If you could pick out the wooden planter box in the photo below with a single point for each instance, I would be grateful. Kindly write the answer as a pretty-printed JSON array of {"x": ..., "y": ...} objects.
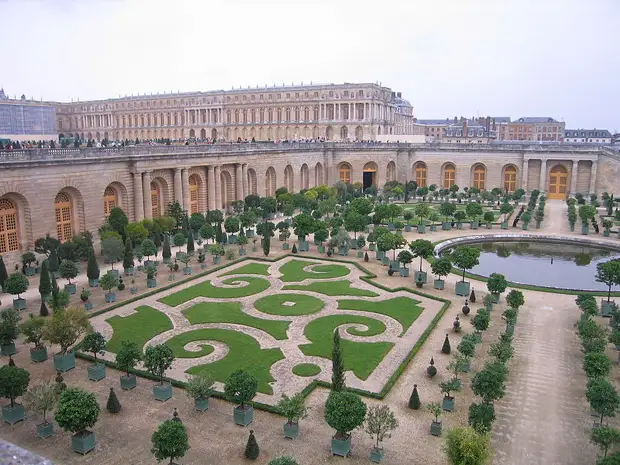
[
  {"x": 38, "y": 355},
  {"x": 341, "y": 446},
  {"x": 8, "y": 349},
  {"x": 243, "y": 416},
  {"x": 64, "y": 362},
  {"x": 45, "y": 430},
  {"x": 19, "y": 304},
  {"x": 12, "y": 415},
  {"x": 93, "y": 282},
  {"x": 71, "y": 288},
  {"x": 162, "y": 392},
  {"x": 96, "y": 372},
  {"x": 291, "y": 430},
  {"x": 436, "y": 428},
  {"x": 462, "y": 288},
  {"x": 376, "y": 455},
  {"x": 110, "y": 297},
  {"x": 201, "y": 404},
  {"x": 151, "y": 283},
  {"x": 128, "y": 382},
  {"x": 439, "y": 284},
  {"x": 83, "y": 442}
]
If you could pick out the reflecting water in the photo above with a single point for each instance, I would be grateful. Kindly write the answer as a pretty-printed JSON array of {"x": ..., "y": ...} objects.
[{"x": 562, "y": 265}]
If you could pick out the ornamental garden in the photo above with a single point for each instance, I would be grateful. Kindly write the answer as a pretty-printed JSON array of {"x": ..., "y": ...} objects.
[{"x": 279, "y": 298}]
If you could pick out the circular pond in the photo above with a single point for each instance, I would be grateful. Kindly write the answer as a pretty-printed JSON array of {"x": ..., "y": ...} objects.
[{"x": 564, "y": 265}]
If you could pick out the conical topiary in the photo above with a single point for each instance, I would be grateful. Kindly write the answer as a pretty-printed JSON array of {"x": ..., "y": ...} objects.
[
  {"x": 445, "y": 349},
  {"x": 431, "y": 370},
  {"x": 365, "y": 256},
  {"x": 294, "y": 249},
  {"x": 43, "y": 311},
  {"x": 113, "y": 405},
  {"x": 472, "y": 296},
  {"x": 251, "y": 449},
  {"x": 414, "y": 400}
]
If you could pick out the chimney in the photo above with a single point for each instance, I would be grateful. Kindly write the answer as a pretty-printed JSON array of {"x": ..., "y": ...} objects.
[{"x": 399, "y": 95}]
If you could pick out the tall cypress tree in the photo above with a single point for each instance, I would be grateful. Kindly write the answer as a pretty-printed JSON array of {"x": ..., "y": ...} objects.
[
  {"x": 218, "y": 233},
  {"x": 337, "y": 364},
  {"x": 3, "y": 274},
  {"x": 92, "y": 268},
  {"x": 190, "y": 241},
  {"x": 54, "y": 264},
  {"x": 166, "y": 253},
  {"x": 45, "y": 282},
  {"x": 128, "y": 256},
  {"x": 266, "y": 245},
  {"x": 414, "y": 400}
]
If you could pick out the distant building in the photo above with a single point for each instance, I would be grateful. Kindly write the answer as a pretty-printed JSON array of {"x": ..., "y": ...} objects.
[
  {"x": 535, "y": 128},
  {"x": 27, "y": 120},
  {"x": 588, "y": 136}
]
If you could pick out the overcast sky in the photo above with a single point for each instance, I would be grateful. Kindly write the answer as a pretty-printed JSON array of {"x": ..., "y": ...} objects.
[{"x": 449, "y": 58}]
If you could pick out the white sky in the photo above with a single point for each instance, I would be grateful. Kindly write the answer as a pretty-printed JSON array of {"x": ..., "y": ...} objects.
[{"x": 449, "y": 58}]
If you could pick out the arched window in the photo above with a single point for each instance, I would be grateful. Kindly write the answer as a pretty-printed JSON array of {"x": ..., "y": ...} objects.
[
  {"x": 288, "y": 114},
  {"x": 510, "y": 179},
  {"x": 64, "y": 217},
  {"x": 344, "y": 132},
  {"x": 9, "y": 239},
  {"x": 155, "y": 200},
  {"x": 420, "y": 174},
  {"x": 449, "y": 176},
  {"x": 480, "y": 174},
  {"x": 391, "y": 171},
  {"x": 110, "y": 200},
  {"x": 193, "y": 194},
  {"x": 345, "y": 172}
]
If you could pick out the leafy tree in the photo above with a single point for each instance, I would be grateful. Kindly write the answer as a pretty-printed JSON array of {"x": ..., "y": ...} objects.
[
  {"x": 157, "y": 359},
  {"x": 3, "y": 273},
  {"x": 361, "y": 205},
  {"x": 354, "y": 222},
  {"x": 465, "y": 258},
  {"x": 128, "y": 356},
  {"x": 283, "y": 461},
  {"x": 77, "y": 410},
  {"x": 148, "y": 248},
  {"x": 128, "y": 255},
  {"x": 9, "y": 326},
  {"x": 481, "y": 417},
  {"x": 473, "y": 210},
  {"x": 467, "y": 347},
  {"x": 136, "y": 233},
  {"x": 190, "y": 241},
  {"x": 16, "y": 284},
  {"x": 609, "y": 274},
  {"x": 92, "y": 268},
  {"x": 118, "y": 220},
  {"x": 414, "y": 400},
  {"x": 13, "y": 382},
  {"x": 422, "y": 211},
  {"x": 596, "y": 365},
  {"x": 65, "y": 327},
  {"x": 240, "y": 387},
  {"x": 380, "y": 422},
  {"x": 32, "y": 329},
  {"x": 464, "y": 446},
  {"x": 501, "y": 350},
  {"x": 45, "y": 281},
  {"x": 447, "y": 210},
  {"x": 94, "y": 343},
  {"x": 196, "y": 221},
  {"x": 207, "y": 232},
  {"x": 303, "y": 225},
  {"x": 169, "y": 441},
  {"x": 390, "y": 241},
  {"x": 344, "y": 411},
  {"x": 252, "y": 450},
  {"x": 231, "y": 224},
  {"x": 489, "y": 383},
  {"x": 179, "y": 240},
  {"x": 41, "y": 398},
  {"x": 45, "y": 245},
  {"x": 605, "y": 437},
  {"x": 68, "y": 270},
  {"x": 108, "y": 282},
  {"x": 441, "y": 267},
  {"x": 175, "y": 210},
  {"x": 481, "y": 320},
  {"x": 293, "y": 408},
  {"x": 113, "y": 405},
  {"x": 515, "y": 299},
  {"x": 496, "y": 284},
  {"x": 423, "y": 249},
  {"x": 338, "y": 375},
  {"x": 488, "y": 217},
  {"x": 405, "y": 257}
]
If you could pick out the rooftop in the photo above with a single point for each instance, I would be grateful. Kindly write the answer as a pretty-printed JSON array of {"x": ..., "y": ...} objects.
[
  {"x": 536, "y": 119},
  {"x": 587, "y": 133}
]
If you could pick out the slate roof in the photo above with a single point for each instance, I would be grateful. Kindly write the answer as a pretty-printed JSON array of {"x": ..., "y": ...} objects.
[
  {"x": 588, "y": 133},
  {"x": 536, "y": 119}
]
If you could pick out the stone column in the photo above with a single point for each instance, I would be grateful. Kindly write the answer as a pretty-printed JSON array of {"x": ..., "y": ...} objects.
[
  {"x": 146, "y": 192},
  {"x": 185, "y": 184},
  {"x": 524, "y": 173},
  {"x": 239, "y": 181},
  {"x": 543, "y": 175},
  {"x": 210, "y": 188},
  {"x": 573, "y": 177},
  {"x": 138, "y": 197},
  {"x": 246, "y": 187},
  {"x": 593, "y": 172},
  {"x": 178, "y": 189},
  {"x": 218, "y": 189}
]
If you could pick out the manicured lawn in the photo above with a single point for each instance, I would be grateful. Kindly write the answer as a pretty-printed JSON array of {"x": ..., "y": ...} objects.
[
  {"x": 206, "y": 289},
  {"x": 250, "y": 268},
  {"x": 306, "y": 369},
  {"x": 360, "y": 357},
  {"x": 332, "y": 288},
  {"x": 244, "y": 353},
  {"x": 293, "y": 271},
  {"x": 274, "y": 304},
  {"x": 230, "y": 312},
  {"x": 402, "y": 309},
  {"x": 139, "y": 327}
]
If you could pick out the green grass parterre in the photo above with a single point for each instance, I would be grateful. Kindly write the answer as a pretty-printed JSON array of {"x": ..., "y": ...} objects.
[
  {"x": 293, "y": 271},
  {"x": 206, "y": 289}
]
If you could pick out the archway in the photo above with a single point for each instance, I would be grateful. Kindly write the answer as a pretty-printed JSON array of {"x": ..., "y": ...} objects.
[
  {"x": 329, "y": 133},
  {"x": 391, "y": 172},
  {"x": 194, "y": 189},
  {"x": 289, "y": 181},
  {"x": 156, "y": 200},
  {"x": 558, "y": 182},
  {"x": 449, "y": 175},
  {"x": 305, "y": 177},
  {"x": 110, "y": 200},
  {"x": 359, "y": 133},
  {"x": 318, "y": 174},
  {"x": 270, "y": 182},
  {"x": 227, "y": 189},
  {"x": 64, "y": 216},
  {"x": 203, "y": 133},
  {"x": 479, "y": 176},
  {"x": 214, "y": 133},
  {"x": 9, "y": 224},
  {"x": 369, "y": 175},
  {"x": 192, "y": 133},
  {"x": 252, "y": 188},
  {"x": 344, "y": 172},
  {"x": 510, "y": 178},
  {"x": 420, "y": 173}
]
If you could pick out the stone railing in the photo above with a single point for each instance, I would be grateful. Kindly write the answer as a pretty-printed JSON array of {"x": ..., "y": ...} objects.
[{"x": 12, "y": 454}]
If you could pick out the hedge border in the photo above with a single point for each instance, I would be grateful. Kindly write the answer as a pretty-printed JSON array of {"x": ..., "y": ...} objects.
[{"x": 387, "y": 387}]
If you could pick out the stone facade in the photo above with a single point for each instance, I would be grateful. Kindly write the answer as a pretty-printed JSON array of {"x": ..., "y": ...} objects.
[{"x": 142, "y": 180}]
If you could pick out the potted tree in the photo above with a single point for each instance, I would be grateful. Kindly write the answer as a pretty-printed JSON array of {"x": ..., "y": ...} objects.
[
  {"x": 231, "y": 225},
  {"x": 240, "y": 388},
  {"x": 464, "y": 258},
  {"x": 371, "y": 241},
  {"x": 294, "y": 409},
  {"x": 9, "y": 330},
  {"x": 380, "y": 422},
  {"x": 505, "y": 210},
  {"x": 496, "y": 284},
  {"x": 242, "y": 241},
  {"x": 64, "y": 328},
  {"x": 148, "y": 248},
  {"x": 436, "y": 411},
  {"x": 489, "y": 300},
  {"x": 95, "y": 344},
  {"x": 32, "y": 328},
  {"x": 605, "y": 437},
  {"x": 607, "y": 225},
  {"x": 473, "y": 211},
  {"x": 405, "y": 257},
  {"x": 68, "y": 270},
  {"x": 170, "y": 441},
  {"x": 515, "y": 299},
  {"x": 128, "y": 258},
  {"x": 321, "y": 235},
  {"x": 77, "y": 411},
  {"x": 151, "y": 273},
  {"x": 218, "y": 252},
  {"x": 586, "y": 213},
  {"x": 27, "y": 259},
  {"x": 465, "y": 446},
  {"x": 488, "y": 218},
  {"x": 157, "y": 359},
  {"x": 408, "y": 216},
  {"x": 433, "y": 218},
  {"x": 609, "y": 274},
  {"x": 127, "y": 358},
  {"x": 447, "y": 388},
  {"x": 15, "y": 285},
  {"x": 42, "y": 399},
  {"x": 13, "y": 383},
  {"x": 107, "y": 283},
  {"x": 460, "y": 216},
  {"x": 422, "y": 211},
  {"x": 344, "y": 411},
  {"x": 447, "y": 210},
  {"x": 200, "y": 387},
  {"x": 489, "y": 383},
  {"x": 112, "y": 249},
  {"x": 467, "y": 347},
  {"x": 361, "y": 243},
  {"x": 185, "y": 259},
  {"x": 423, "y": 249},
  {"x": 525, "y": 219},
  {"x": 179, "y": 240},
  {"x": 440, "y": 268}
]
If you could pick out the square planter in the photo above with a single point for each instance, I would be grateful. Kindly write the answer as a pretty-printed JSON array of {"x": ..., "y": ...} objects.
[
  {"x": 462, "y": 288},
  {"x": 607, "y": 307},
  {"x": 12, "y": 415},
  {"x": 606, "y": 233},
  {"x": 459, "y": 225},
  {"x": 187, "y": 270},
  {"x": 249, "y": 233},
  {"x": 30, "y": 271},
  {"x": 407, "y": 228},
  {"x": 419, "y": 277},
  {"x": 404, "y": 272},
  {"x": 216, "y": 259},
  {"x": 371, "y": 247},
  {"x": 439, "y": 284},
  {"x": 304, "y": 246},
  {"x": 114, "y": 273},
  {"x": 360, "y": 254},
  {"x": 83, "y": 442},
  {"x": 232, "y": 239},
  {"x": 45, "y": 430},
  {"x": 525, "y": 226},
  {"x": 151, "y": 283},
  {"x": 379, "y": 254},
  {"x": 8, "y": 349},
  {"x": 19, "y": 304},
  {"x": 93, "y": 282},
  {"x": 433, "y": 227},
  {"x": 243, "y": 415},
  {"x": 291, "y": 430},
  {"x": 241, "y": 252},
  {"x": 421, "y": 228},
  {"x": 475, "y": 225},
  {"x": 341, "y": 446},
  {"x": 285, "y": 246},
  {"x": 436, "y": 428},
  {"x": 162, "y": 392},
  {"x": 128, "y": 382},
  {"x": 38, "y": 355},
  {"x": 71, "y": 288},
  {"x": 395, "y": 264},
  {"x": 353, "y": 244},
  {"x": 510, "y": 329},
  {"x": 96, "y": 372},
  {"x": 133, "y": 290},
  {"x": 129, "y": 271},
  {"x": 64, "y": 362},
  {"x": 385, "y": 260},
  {"x": 448, "y": 404},
  {"x": 376, "y": 455},
  {"x": 321, "y": 248},
  {"x": 344, "y": 251},
  {"x": 201, "y": 404},
  {"x": 446, "y": 226},
  {"x": 110, "y": 297}
]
